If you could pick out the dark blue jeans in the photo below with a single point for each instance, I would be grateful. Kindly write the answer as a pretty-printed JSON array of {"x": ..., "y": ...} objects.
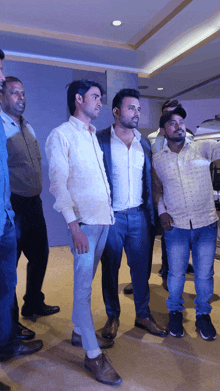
[
  {"x": 133, "y": 232},
  {"x": 31, "y": 236},
  {"x": 8, "y": 280},
  {"x": 165, "y": 266},
  {"x": 202, "y": 242}
]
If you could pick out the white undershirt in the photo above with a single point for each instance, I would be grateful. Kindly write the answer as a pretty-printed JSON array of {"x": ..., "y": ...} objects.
[{"x": 127, "y": 172}]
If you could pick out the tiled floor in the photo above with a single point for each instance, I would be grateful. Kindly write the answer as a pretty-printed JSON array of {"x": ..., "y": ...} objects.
[{"x": 145, "y": 362}]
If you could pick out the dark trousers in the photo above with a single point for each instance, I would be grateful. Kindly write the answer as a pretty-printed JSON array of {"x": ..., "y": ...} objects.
[
  {"x": 133, "y": 232},
  {"x": 8, "y": 280},
  {"x": 31, "y": 236}
]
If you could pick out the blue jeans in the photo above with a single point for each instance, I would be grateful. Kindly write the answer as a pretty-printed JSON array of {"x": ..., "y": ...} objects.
[
  {"x": 8, "y": 280},
  {"x": 202, "y": 243},
  {"x": 133, "y": 232},
  {"x": 85, "y": 266}
]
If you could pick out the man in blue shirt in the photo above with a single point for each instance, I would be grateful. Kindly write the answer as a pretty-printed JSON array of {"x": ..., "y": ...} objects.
[{"x": 9, "y": 345}]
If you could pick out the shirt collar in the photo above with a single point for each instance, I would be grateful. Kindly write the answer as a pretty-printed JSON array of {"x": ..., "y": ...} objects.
[
  {"x": 7, "y": 119},
  {"x": 79, "y": 125},
  {"x": 136, "y": 133}
]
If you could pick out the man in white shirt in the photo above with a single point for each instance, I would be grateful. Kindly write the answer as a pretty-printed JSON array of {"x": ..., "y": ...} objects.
[
  {"x": 184, "y": 196},
  {"x": 80, "y": 186},
  {"x": 127, "y": 158}
]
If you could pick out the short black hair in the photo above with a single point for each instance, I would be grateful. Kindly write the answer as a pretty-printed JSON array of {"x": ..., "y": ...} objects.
[
  {"x": 9, "y": 79},
  {"x": 124, "y": 93},
  {"x": 179, "y": 110},
  {"x": 79, "y": 87},
  {"x": 2, "y": 54},
  {"x": 171, "y": 103}
]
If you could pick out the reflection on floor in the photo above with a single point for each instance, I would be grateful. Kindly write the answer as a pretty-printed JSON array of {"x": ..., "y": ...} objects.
[{"x": 145, "y": 362}]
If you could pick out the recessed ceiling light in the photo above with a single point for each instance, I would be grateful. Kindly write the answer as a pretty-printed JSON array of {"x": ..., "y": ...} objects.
[
  {"x": 160, "y": 88},
  {"x": 116, "y": 23}
]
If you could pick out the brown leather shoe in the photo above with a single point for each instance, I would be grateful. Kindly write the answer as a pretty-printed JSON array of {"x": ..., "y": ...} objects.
[
  {"x": 128, "y": 289},
  {"x": 150, "y": 325},
  {"x": 103, "y": 343},
  {"x": 102, "y": 370},
  {"x": 111, "y": 327}
]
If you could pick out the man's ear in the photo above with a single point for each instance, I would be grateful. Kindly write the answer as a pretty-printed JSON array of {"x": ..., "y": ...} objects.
[
  {"x": 115, "y": 112},
  {"x": 79, "y": 98}
]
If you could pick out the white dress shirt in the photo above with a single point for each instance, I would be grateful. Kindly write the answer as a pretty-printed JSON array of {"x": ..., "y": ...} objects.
[
  {"x": 184, "y": 189},
  {"x": 77, "y": 174},
  {"x": 127, "y": 172}
]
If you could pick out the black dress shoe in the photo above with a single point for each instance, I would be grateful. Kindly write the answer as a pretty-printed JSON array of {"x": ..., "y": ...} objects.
[
  {"x": 103, "y": 343},
  {"x": 190, "y": 269},
  {"x": 128, "y": 290},
  {"x": 150, "y": 325},
  {"x": 42, "y": 310},
  {"x": 111, "y": 327},
  {"x": 24, "y": 333},
  {"x": 23, "y": 349},
  {"x": 4, "y": 387},
  {"x": 164, "y": 284}
]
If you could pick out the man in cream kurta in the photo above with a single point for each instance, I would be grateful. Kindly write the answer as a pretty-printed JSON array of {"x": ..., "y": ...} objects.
[{"x": 80, "y": 186}]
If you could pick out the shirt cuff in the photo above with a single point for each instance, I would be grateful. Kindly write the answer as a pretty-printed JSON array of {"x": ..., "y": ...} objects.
[{"x": 69, "y": 215}]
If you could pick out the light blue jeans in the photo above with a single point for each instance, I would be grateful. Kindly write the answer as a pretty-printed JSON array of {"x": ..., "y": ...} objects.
[
  {"x": 85, "y": 266},
  {"x": 202, "y": 243}
]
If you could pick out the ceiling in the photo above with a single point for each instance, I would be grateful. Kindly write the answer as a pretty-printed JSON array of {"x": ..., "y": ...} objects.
[{"x": 174, "y": 44}]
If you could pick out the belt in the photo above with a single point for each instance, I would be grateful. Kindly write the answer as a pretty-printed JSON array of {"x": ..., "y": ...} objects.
[{"x": 130, "y": 210}]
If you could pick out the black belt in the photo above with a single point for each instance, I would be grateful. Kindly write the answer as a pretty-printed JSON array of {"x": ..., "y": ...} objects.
[{"x": 131, "y": 210}]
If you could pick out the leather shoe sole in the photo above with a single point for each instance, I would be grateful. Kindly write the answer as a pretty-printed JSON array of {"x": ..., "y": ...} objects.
[
  {"x": 111, "y": 328},
  {"x": 103, "y": 343},
  {"x": 150, "y": 325},
  {"x": 24, "y": 333}
]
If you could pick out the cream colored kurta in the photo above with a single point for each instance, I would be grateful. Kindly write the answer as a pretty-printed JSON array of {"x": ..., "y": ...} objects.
[{"x": 77, "y": 174}]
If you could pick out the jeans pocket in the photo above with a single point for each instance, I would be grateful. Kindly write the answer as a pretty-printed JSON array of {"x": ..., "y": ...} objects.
[
  {"x": 169, "y": 230},
  {"x": 213, "y": 226}
]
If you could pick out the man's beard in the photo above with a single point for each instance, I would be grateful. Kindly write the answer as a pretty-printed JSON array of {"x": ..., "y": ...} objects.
[
  {"x": 177, "y": 138},
  {"x": 129, "y": 124}
]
